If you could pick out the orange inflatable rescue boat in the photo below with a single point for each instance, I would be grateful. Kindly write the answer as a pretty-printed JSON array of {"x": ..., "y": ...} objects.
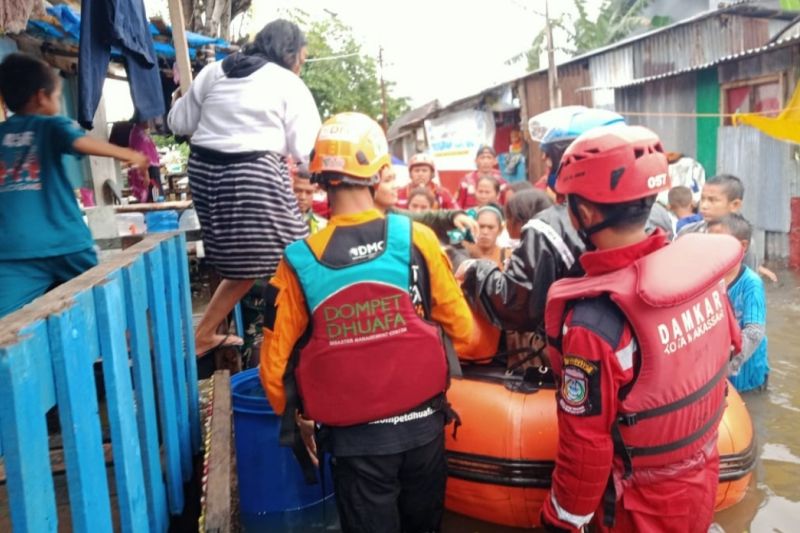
[{"x": 501, "y": 461}]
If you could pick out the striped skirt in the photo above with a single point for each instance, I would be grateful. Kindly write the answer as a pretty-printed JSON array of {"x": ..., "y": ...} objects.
[{"x": 248, "y": 213}]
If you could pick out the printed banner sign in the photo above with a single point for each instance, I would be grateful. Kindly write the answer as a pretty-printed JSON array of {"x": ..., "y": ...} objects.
[{"x": 454, "y": 138}]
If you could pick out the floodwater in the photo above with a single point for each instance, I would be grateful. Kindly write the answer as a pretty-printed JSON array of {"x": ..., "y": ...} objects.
[{"x": 772, "y": 501}]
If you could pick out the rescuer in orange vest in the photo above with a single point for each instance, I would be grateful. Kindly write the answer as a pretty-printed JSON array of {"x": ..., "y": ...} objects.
[{"x": 357, "y": 361}]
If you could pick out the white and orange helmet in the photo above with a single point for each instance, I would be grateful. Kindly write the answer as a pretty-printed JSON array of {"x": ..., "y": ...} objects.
[{"x": 421, "y": 159}]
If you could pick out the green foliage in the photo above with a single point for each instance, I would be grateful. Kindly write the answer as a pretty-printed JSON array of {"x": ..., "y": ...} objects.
[
  {"x": 659, "y": 21},
  {"x": 790, "y": 5},
  {"x": 534, "y": 54},
  {"x": 169, "y": 141},
  {"x": 346, "y": 84},
  {"x": 616, "y": 20}
]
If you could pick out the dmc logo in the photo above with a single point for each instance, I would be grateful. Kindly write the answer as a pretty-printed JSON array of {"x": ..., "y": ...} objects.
[
  {"x": 366, "y": 250},
  {"x": 656, "y": 181}
]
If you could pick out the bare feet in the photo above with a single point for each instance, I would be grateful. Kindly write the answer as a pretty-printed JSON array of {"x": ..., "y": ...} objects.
[{"x": 218, "y": 340}]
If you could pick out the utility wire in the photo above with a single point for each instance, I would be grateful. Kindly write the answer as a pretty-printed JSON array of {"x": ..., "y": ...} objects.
[
  {"x": 331, "y": 58},
  {"x": 701, "y": 115}
]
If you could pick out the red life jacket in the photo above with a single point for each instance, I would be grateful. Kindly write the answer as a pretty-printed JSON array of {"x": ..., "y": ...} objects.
[
  {"x": 676, "y": 302},
  {"x": 369, "y": 355}
]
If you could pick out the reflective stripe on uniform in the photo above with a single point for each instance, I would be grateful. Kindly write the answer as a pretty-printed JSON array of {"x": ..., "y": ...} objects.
[
  {"x": 554, "y": 238},
  {"x": 625, "y": 355},
  {"x": 565, "y": 516}
]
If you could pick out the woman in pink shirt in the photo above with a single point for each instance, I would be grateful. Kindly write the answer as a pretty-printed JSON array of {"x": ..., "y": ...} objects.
[{"x": 141, "y": 184}]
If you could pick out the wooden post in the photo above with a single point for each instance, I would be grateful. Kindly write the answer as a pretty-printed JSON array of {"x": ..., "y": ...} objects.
[
  {"x": 180, "y": 44},
  {"x": 102, "y": 168},
  {"x": 385, "y": 121},
  {"x": 221, "y": 469},
  {"x": 552, "y": 69}
]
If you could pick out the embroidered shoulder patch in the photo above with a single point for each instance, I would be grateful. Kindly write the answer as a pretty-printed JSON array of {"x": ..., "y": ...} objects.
[{"x": 579, "y": 394}]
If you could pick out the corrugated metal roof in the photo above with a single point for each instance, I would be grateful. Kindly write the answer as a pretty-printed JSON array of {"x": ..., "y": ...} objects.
[
  {"x": 409, "y": 117},
  {"x": 696, "y": 44},
  {"x": 621, "y": 60},
  {"x": 741, "y": 10},
  {"x": 787, "y": 40},
  {"x": 615, "y": 66}
]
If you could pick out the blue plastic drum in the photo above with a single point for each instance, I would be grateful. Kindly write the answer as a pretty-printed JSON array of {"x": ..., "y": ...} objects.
[
  {"x": 270, "y": 480},
  {"x": 161, "y": 221}
]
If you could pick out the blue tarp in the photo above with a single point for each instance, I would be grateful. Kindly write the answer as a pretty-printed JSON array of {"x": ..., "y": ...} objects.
[{"x": 70, "y": 22}]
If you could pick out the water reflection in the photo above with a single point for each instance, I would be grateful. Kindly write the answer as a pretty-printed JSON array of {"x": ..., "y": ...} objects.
[{"x": 321, "y": 518}]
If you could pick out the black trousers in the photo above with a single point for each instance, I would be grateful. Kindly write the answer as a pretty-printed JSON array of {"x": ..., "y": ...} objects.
[{"x": 397, "y": 493}]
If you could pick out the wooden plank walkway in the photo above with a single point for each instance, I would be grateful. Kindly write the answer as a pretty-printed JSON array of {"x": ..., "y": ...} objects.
[
  {"x": 133, "y": 314},
  {"x": 220, "y": 486}
]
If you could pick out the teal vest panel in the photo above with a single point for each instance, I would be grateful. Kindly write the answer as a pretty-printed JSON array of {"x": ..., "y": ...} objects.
[{"x": 390, "y": 267}]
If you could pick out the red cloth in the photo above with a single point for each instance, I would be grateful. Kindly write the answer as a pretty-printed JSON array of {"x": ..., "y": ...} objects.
[
  {"x": 465, "y": 197},
  {"x": 541, "y": 183},
  {"x": 140, "y": 141},
  {"x": 321, "y": 207},
  {"x": 670, "y": 498}
]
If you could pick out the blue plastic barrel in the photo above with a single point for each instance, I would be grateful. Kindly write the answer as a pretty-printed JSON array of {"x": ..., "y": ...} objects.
[
  {"x": 270, "y": 480},
  {"x": 161, "y": 221}
]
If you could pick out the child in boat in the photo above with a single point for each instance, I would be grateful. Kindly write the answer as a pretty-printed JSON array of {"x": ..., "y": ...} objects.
[
  {"x": 749, "y": 370},
  {"x": 680, "y": 205},
  {"x": 44, "y": 240},
  {"x": 723, "y": 195},
  {"x": 420, "y": 200}
]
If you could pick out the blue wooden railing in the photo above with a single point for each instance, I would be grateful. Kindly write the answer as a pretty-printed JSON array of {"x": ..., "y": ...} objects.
[{"x": 133, "y": 312}]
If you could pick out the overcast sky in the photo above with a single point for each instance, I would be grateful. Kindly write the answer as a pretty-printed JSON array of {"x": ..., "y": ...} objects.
[{"x": 443, "y": 49}]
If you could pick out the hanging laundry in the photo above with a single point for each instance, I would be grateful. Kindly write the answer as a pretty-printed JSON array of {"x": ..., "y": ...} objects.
[
  {"x": 123, "y": 25},
  {"x": 785, "y": 127}
]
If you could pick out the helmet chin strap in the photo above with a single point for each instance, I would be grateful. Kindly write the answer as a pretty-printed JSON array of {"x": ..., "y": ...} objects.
[{"x": 586, "y": 232}]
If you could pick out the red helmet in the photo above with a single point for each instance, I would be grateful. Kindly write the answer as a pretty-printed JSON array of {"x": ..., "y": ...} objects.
[
  {"x": 421, "y": 159},
  {"x": 614, "y": 164}
]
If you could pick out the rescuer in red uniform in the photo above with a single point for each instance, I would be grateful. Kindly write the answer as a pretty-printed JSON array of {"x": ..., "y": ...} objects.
[{"x": 641, "y": 354}]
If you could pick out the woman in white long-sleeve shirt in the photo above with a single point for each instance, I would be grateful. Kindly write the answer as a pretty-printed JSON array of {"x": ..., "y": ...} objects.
[{"x": 245, "y": 114}]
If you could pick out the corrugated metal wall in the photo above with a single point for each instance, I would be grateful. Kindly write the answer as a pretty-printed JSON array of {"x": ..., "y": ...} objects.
[
  {"x": 691, "y": 45},
  {"x": 768, "y": 170},
  {"x": 570, "y": 77},
  {"x": 776, "y": 246},
  {"x": 698, "y": 43},
  {"x": 670, "y": 95}
]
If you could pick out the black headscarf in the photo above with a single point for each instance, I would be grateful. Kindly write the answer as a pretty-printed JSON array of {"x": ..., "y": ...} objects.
[{"x": 278, "y": 42}]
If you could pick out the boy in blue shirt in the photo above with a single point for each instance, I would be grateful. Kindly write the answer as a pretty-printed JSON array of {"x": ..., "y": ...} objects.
[
  {"x": 43, "y": 239},
  {"x": 749, "y": 369}
]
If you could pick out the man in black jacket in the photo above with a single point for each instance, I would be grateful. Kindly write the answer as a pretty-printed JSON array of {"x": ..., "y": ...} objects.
[{"x": 549, "y": 248}]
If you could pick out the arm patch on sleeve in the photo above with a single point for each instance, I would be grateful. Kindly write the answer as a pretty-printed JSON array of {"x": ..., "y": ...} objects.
[{"x": 579, "y": 394}]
